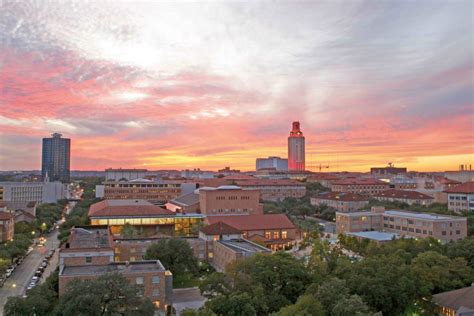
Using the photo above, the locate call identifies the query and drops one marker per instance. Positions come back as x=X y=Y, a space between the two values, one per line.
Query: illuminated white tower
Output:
x=296 y=153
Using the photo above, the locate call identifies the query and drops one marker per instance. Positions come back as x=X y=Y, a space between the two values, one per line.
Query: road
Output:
x=16 y=284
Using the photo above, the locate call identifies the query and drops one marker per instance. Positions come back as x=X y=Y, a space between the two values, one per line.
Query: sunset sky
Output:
x=214 y=84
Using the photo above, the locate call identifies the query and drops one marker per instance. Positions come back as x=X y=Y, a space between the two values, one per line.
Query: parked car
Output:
x=34 y=279
x=8 y=272
x=38 y=273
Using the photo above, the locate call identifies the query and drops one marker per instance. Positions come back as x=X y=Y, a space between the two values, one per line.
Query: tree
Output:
x=306 y=305
x=330 y=292
x=110 y=294
x=128 y=231
x=350 y=305
x=462 y=248
x=216 y=284
x=175 y=254
x=233 y=305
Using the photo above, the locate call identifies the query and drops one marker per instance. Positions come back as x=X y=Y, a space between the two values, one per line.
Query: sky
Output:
x=175 y=85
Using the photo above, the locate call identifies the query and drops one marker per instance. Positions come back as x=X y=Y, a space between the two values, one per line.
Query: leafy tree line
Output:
x=22 y=240
x=394 y=279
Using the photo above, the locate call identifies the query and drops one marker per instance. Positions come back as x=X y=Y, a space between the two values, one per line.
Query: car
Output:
x=44 y=264
x=38 y=273
x=30 y=286
x=8 y=272
x=34 y=279
x=41 y=269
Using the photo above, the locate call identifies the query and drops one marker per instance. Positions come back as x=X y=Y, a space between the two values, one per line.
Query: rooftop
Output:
x=456 y=299
x=375 y=235
x=254 y=222
x=342 y=196
x=243 y=246
x=5 y=216
x=359 y=181
x=421 y=215
x=404 y=194
x=220 y=228
x=466 y=188
x=186 y=199
x=89 y=237
x=121 y=208
x=122 y=267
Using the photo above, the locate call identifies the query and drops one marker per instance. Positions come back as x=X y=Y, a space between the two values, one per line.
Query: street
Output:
x=16 y=284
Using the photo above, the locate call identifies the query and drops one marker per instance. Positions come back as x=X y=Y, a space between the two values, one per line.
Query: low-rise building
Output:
x=89 y=254
x=124 y=174
x=156 y=192
x=341 y=201
x=325 y=179
x=375 y=236
x=149 y=219
x=275 y=163
x=420 y=225
x=7 y=226
x=458 y=302
x=275 y=231
x=22 y=211
x=229 y=200
x=41 y=192
x=404 y=196
x=461 y=197
x=186 y=203
x=387 y=171
x=360 y=185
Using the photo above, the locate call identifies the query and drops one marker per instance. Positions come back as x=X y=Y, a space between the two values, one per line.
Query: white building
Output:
x=277 y=163
x=41 y=192
x=461 y=197
x=127 y=174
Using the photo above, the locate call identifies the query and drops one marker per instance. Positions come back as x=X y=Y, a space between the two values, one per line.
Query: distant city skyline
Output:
x=209 y=85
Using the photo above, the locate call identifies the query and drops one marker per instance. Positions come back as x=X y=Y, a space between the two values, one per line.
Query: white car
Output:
x=34 y=279
x=8 y=272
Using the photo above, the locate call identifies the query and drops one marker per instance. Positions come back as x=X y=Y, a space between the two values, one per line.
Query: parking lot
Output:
x=19 y=280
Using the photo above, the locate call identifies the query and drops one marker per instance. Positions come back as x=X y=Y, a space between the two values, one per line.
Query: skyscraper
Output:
x=296 y=153
x=56 y=158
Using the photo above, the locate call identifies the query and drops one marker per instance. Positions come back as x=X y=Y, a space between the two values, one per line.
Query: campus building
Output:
x=461 y=197
x=296 y=149
x=89 y=253
x=41 y=192
x=404 y=196
x=420 y=225
x=56 y=156
x=458 y=302
x=367 y=186
x=156 y=192
x=229 y=200
x=275 y=231
x=342 y=202
x=149 y=219
x=7 y=226
x=274 y=163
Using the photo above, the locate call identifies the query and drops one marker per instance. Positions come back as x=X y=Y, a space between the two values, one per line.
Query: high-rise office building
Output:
x=277 y=163
x=56 y=158
x=296 y=151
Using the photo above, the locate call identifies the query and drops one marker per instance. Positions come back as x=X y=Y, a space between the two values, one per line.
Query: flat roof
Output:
x=241 y=245
x=421 y=215
x=131 y=267
x=362 y=213
x=375 y=235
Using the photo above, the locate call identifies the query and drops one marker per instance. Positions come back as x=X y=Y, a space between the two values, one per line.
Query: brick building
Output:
x=404 y=196
x=275 y=231
x=89 y=253
x=461 y=197
x=342 y=202
x=229 y=200
x=7 y=226
x=325 y=179
x=360 y=185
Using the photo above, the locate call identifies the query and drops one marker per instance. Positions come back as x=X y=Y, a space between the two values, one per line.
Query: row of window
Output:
x=276 y=235
x=464 y=198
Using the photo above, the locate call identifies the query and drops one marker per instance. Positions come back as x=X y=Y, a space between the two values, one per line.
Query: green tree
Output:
x=462 y=248
x=175 y=254
x=330 y=292
x=350 y=305
x=234 y=305
x=305 y=305
x=110 y=294
x=216 y=284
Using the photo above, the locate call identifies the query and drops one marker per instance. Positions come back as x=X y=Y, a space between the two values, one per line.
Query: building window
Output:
x=284 y=234
x=156 y=292
x=132 y=259
x=443 y=233
x=364 y=218
x=458 y=232
x=139 y=280
x=210 y=255
x=155 y=279
x=276 y=235
x=268 y=235
x=88 y=259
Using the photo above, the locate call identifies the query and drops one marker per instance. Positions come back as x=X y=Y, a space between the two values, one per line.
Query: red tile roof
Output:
x=269 y=182
x=111 y=208
x=4 y=216
x=254 y=222
x=220 y=228
x=404 y=194
x=467 y=188
x=341 y=196
x=359 y=181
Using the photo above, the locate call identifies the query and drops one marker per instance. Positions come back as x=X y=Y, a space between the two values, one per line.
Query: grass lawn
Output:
x=185 y=280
